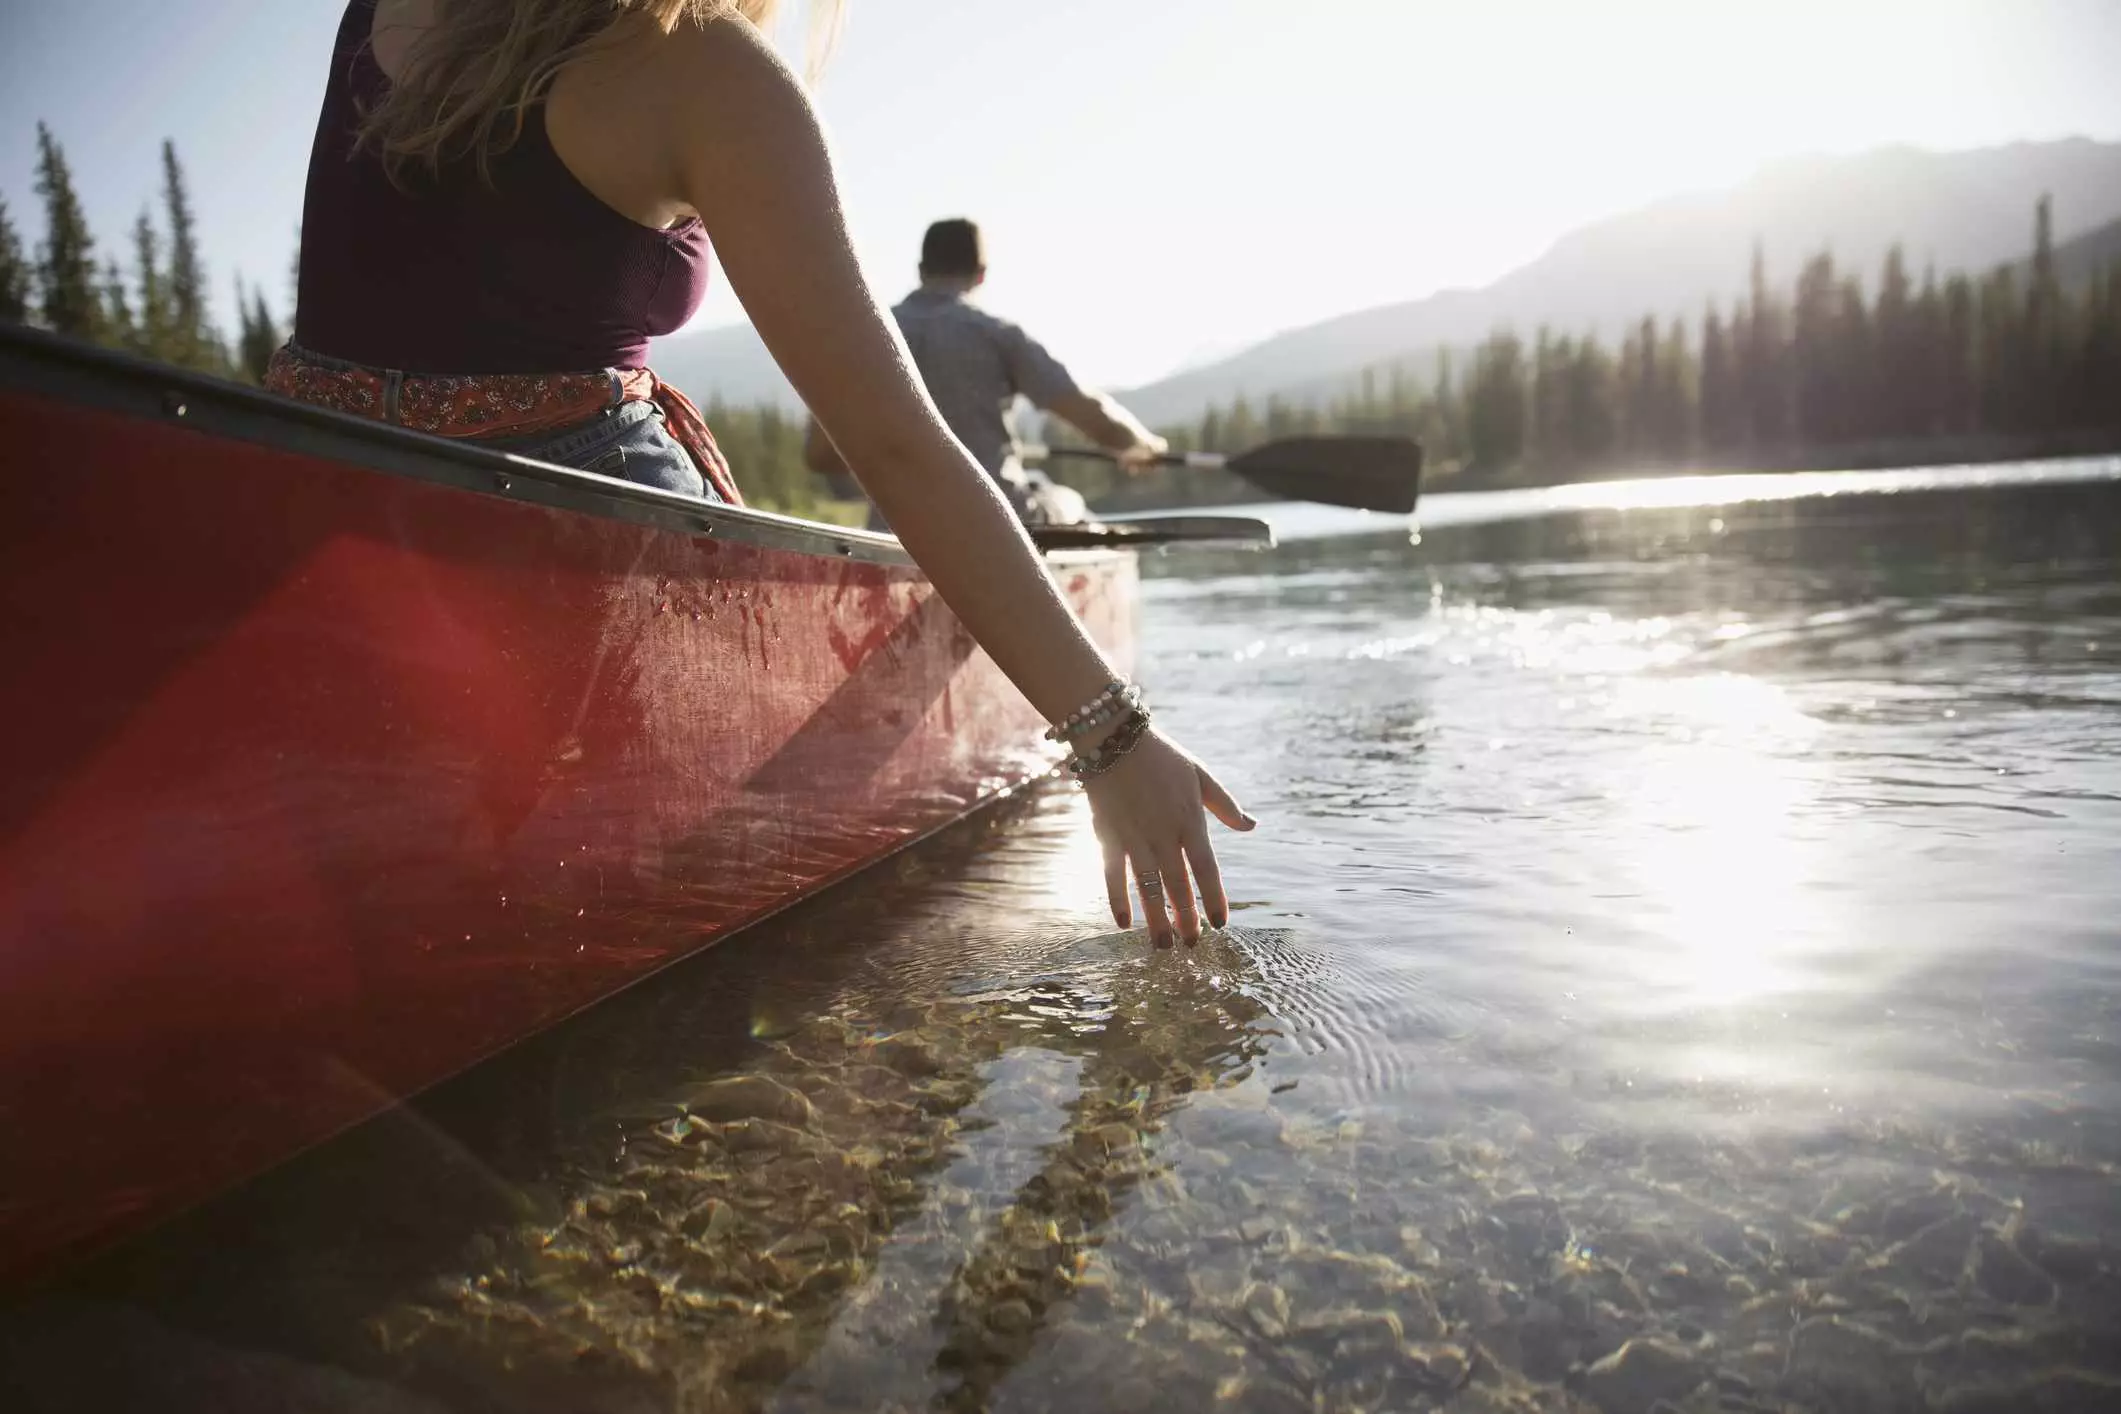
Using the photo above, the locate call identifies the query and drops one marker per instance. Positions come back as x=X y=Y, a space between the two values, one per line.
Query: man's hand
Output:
x=1143 y=454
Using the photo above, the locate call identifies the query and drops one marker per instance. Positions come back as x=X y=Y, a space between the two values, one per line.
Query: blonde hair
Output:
x=483 y=64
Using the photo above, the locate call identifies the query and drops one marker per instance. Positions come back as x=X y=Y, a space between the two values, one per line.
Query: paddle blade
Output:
x=1368 y=473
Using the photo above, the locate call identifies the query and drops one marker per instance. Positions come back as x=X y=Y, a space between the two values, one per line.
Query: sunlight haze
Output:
x=1160 y=182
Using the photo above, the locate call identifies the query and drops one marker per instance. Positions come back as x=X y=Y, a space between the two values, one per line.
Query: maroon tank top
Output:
x=528 y=274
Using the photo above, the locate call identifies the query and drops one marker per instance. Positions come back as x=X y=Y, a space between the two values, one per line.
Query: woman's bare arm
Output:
x=747 y=153
x=751 y=158
x=818 y=452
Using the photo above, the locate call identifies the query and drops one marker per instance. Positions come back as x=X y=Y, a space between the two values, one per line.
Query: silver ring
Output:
x=1152 y=886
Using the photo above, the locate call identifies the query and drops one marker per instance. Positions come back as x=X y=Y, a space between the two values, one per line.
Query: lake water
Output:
x=1679 y=966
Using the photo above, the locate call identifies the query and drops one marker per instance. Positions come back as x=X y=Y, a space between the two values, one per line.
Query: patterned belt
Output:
x=484 y=405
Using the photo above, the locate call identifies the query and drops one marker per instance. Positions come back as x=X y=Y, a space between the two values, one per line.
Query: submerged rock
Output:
x=1267 y=1309
x=2004 y=1274
x=1938 y=1254
x=1637 y=1376
x=1830 y=1353
x=741 y=1097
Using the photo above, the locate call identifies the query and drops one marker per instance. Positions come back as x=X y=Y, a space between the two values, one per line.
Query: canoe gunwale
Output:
x=44 y=363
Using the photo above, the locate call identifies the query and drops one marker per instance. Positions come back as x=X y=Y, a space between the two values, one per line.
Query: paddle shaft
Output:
x=1203 y=461
x=1365 y=472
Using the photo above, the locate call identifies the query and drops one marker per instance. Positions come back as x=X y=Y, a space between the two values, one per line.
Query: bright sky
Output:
x=1161 y=180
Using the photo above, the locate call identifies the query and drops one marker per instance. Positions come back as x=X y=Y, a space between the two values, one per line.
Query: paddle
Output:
x=1154 y=530
x=1368 y=473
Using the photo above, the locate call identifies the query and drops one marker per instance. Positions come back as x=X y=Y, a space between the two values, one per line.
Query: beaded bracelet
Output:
x=1116 y=694
x=1113 y=708
x=1112 y=750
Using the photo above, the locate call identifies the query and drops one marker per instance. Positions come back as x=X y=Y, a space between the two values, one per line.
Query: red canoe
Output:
x=337 y=758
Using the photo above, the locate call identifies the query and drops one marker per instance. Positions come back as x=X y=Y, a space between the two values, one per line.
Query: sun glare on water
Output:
x=1721 y=856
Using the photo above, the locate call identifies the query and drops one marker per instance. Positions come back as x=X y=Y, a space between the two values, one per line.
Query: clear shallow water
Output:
x=1680 y=962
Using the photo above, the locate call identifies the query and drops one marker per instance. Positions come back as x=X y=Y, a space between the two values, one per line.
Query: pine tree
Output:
x=152 y=321
x=1495 y=406
x=2000 y=337
x=14 y=272
x=1281 y=417
x=1719 y=431
x=118 y=328
x=1448 y=435
x=193 y=340
x=1854 y=366
x=1593 y=405
x=1767 y=389
x=1739 y=415
x=1399 y=399
x=2099 y=402
x=1211 y=430
x=2045 y=331
x=1639 y=436
x=1900 y=373
x=1927 y=410
x=260 y=337
x=1812 y=354
x=66 y=265
x=1959 y=396
x=1545 y=440
x=1673 y=395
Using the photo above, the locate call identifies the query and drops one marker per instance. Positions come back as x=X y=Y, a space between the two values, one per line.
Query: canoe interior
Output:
x=338 y=759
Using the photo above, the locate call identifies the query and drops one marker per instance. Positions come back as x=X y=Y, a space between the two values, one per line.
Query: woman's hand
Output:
x=1148 y=813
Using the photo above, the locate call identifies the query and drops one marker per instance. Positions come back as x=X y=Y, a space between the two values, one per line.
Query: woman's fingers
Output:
x=1154 y=890
x=1116 y=888
x=1116 y=879
x=1178 y=891
x=1219 y=801
x=1200 y=857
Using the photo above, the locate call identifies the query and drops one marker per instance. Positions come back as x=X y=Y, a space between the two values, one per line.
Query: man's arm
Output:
x=1042 y=378
x=1106 y=423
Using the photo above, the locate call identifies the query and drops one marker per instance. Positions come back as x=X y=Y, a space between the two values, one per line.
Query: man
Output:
x=975 y=365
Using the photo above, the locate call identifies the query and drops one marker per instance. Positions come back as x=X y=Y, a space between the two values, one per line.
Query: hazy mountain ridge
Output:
x=2078 y=260
x=1956 y=210
x=1969 y=210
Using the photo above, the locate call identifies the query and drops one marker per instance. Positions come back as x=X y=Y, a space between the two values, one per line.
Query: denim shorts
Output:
x=628 y=442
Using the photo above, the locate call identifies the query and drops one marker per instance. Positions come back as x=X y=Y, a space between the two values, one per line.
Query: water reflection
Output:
x=1677 y=972
x=647 y=1209
x=1721 y=864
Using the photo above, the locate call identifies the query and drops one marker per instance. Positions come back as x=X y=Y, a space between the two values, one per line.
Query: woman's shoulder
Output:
x=722 y=63
x=718 y=96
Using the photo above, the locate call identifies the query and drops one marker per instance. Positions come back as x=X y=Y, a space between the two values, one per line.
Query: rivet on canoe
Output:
x=504 y=483
x=173 y=404
x=846 y=549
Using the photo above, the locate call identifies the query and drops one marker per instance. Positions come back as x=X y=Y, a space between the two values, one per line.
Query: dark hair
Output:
x=952 y=247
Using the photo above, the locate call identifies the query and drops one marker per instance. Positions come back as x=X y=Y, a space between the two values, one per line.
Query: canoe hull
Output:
x=328 y=772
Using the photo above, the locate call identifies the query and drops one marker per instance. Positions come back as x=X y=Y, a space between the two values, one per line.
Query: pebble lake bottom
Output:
x=1679 y=968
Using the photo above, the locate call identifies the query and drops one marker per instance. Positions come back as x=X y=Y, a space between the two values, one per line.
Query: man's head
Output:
x=951 y=251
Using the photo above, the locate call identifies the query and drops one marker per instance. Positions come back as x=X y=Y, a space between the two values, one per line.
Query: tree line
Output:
x=1823 y=373
x=158 y=306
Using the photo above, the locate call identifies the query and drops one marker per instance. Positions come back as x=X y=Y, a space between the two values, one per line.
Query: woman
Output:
x=509 y=197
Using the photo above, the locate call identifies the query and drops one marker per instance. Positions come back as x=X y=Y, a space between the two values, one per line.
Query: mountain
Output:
x=1956 y=210
x=729 y=363
x=2093 y=253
